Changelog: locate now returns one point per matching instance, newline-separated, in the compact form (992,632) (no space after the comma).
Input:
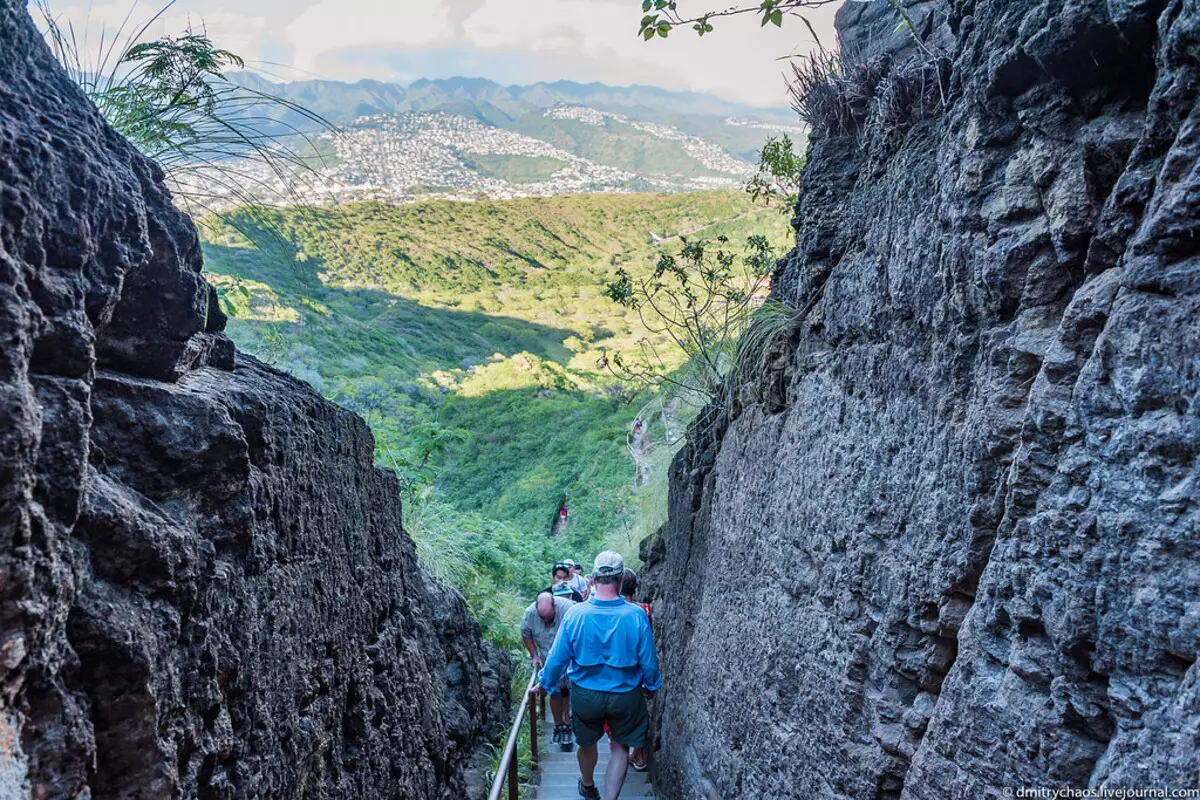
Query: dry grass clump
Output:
(871,86)
(832,95)
(839,98)
(913,91)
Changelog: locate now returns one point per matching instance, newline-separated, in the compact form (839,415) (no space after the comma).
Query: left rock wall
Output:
(205,589)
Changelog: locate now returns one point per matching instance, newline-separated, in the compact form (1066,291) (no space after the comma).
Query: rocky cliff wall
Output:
(205,589)
(948,542)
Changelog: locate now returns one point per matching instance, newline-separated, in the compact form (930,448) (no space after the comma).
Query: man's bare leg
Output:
(558,705)
(618,764)
(588,756)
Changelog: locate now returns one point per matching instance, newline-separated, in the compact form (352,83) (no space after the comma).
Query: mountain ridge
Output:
(472,137)
(395,97)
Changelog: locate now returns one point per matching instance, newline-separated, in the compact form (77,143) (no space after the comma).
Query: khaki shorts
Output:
(625,713)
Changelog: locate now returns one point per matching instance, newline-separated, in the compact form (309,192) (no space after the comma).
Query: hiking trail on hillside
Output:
(642,445)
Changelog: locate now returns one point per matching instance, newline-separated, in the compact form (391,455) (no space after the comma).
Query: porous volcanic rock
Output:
(947,543)
(205,588)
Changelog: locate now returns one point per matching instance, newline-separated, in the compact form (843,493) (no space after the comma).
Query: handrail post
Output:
(533,739)
(509,761)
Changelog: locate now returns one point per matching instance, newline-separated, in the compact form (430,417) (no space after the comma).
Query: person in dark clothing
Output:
(561,584)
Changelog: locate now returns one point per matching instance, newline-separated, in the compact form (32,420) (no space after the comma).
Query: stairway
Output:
(560,772)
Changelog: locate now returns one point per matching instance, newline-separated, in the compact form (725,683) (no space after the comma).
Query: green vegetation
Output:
(470,336)
(778,173)
(711,305)
(515,169)
(615,144)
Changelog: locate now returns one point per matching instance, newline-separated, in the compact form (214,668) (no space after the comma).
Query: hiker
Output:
(539,627)
(578,582)
(560,585)
(637,426)
(629,587)
(606,648)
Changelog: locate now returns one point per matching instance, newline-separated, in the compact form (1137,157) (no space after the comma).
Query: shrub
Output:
(702,302)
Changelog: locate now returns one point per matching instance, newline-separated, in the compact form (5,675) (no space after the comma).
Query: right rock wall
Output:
(946,545)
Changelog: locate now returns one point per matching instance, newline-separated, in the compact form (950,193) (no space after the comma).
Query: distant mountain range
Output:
(471,137)
(489,101)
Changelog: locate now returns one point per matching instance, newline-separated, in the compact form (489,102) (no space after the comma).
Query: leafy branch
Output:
(170,97)
(660,17)
(702,303)
(413,465)
(778,173)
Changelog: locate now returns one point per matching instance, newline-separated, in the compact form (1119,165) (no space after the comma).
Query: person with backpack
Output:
(577,581)
(606,649)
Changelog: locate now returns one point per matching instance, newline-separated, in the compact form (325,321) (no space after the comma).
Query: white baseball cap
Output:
(609,564)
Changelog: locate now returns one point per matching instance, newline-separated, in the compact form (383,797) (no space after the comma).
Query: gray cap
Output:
(609,564)
(569,562)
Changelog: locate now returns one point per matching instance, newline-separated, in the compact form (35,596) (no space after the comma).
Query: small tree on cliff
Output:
(778,173)
(709,303)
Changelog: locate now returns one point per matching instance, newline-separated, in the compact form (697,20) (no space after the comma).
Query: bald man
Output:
(539,627)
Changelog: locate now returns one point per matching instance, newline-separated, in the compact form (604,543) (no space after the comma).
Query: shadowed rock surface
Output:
(948,541)
(205,589)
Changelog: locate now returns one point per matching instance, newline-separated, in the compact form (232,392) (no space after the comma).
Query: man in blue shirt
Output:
(606,647)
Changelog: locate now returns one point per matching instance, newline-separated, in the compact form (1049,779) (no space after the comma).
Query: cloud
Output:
(585,40)
(331,26)
(100,26)
(515,41)
(597,40)
(568,26)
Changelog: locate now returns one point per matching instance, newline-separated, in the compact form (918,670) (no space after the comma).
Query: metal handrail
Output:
(508,761)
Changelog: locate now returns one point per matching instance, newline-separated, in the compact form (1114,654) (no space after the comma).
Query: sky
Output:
(508,41)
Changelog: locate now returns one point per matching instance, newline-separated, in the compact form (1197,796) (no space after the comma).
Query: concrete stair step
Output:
(559,772)
(572,794)
(571,780)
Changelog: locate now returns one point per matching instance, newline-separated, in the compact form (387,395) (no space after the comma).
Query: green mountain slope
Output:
(487,318)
